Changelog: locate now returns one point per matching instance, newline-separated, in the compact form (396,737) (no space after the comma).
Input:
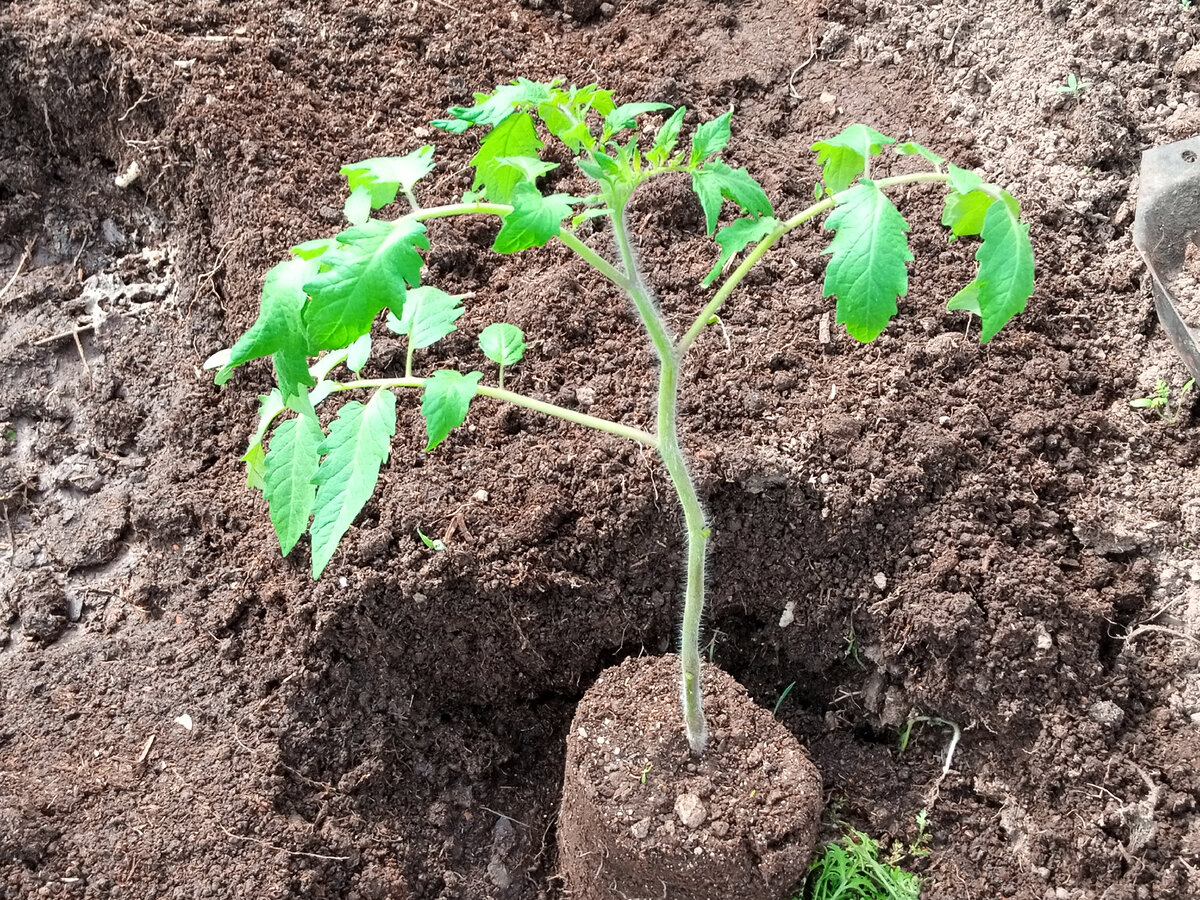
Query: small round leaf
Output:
(503,343)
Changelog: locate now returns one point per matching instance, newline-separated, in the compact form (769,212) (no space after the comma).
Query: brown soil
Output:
(989,536)
(642,818)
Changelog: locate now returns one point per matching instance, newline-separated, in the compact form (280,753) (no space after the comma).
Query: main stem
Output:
(697,545)
(669,450)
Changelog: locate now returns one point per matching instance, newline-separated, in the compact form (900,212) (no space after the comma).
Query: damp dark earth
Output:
(916,535)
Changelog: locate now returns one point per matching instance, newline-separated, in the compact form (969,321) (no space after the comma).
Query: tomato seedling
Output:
(319,307)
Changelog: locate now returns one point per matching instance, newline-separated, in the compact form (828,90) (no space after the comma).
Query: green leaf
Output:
(454,126)
(436,544)
(358,205)
(714,181)
(912,148)
(963,181)
(366,271)
(358,443)
(968,202)
(867,266)
(492,109)
(256,466)
(516,136)
(967,299)
(566,124)
(445,402)
(735,237)
(1005,267)
(429,315)
(313,249)
(288,473)
(502,343)
(597,213)
(385,176)
(844,156)
(667,135)
(592,97)
(272,404)
(534,219)
(530,167)
(279,331)
(710,139)
(269,406)
(358,353)
(565,114)
(625,115)
(599,166)
(964,213)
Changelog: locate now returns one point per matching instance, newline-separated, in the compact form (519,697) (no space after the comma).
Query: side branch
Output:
(760,249)
(550,409)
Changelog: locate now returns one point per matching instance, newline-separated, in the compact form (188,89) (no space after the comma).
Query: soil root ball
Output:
(642,818)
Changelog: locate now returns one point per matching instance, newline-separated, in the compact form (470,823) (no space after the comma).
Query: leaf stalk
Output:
(494,393)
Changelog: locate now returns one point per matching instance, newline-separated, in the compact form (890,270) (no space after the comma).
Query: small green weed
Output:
(778,703)
(1074,86)
(432,543)
(1160,400)
(854,869)
(852,646)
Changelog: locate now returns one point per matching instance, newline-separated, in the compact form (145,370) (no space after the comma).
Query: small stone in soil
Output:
(640,829)
(690,810)
(1106,713)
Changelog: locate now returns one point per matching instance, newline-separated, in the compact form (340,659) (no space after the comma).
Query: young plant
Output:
(323,302)
(1074,86)
(1160,400)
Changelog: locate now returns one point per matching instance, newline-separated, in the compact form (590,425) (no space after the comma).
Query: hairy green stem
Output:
(559,412)
(636,286)
(461,209)
(760,249)
(669,449)
(691,695)
(594,259)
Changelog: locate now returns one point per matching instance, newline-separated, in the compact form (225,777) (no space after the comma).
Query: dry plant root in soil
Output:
(320,306)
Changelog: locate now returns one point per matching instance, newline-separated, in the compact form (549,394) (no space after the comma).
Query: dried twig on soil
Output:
(1161,629)
(82,355)
(211,274)
(146,748)
(62,335)
(1148,627)
(796,71)
(20,266)
(246,837)
(12,541)
(75,261)
(504,816)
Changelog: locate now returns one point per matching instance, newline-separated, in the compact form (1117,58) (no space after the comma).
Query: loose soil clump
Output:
(641,816)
